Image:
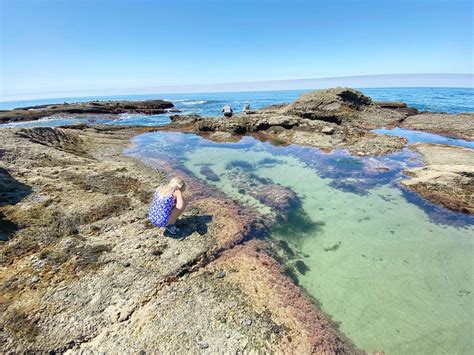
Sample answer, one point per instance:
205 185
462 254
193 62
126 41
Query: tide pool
394 271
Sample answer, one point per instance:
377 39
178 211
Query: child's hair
175 183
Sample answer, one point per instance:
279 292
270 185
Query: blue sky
82 45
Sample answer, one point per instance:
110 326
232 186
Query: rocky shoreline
86 272
343 118
148 107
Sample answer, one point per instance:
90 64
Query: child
168 204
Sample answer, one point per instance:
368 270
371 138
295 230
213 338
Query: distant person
247 109
168 204
227 111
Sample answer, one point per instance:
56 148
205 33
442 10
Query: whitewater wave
195 102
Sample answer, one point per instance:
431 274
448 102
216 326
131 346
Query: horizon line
454 80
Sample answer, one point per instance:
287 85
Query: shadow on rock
191 224
11 192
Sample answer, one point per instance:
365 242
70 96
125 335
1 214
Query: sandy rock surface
447 178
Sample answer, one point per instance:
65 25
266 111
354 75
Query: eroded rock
447 178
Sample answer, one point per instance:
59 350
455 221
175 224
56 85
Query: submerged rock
280 199
209 173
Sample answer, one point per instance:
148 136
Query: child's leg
175 213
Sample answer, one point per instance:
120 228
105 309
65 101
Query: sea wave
196 102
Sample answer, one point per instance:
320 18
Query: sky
73 46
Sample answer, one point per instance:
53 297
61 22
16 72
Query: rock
279 198
209 173
330 105
328 130
220 274
459 125
448 177
185 119
391 104
34 279
202 344
30 113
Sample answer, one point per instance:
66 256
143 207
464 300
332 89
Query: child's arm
179 199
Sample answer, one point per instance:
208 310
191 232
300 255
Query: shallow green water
394 271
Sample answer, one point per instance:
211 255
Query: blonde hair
175 183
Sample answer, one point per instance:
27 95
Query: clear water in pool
394 271
419 136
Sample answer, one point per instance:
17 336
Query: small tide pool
393 270
417 136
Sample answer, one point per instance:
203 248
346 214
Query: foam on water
394 270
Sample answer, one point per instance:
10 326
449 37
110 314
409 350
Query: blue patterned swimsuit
160 209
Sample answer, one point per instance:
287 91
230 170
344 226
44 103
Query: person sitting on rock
168 204
227 111
247 109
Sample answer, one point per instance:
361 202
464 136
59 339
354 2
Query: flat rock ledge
447 179
83 270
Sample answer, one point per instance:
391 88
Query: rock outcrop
149 107
447 178
334 118
331 105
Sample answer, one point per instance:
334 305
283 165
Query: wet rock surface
93 107
85 271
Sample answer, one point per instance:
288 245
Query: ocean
452 100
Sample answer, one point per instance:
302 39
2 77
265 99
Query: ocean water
453 100
395 271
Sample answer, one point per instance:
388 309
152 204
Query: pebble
248 322
328 130
221 274
203 345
